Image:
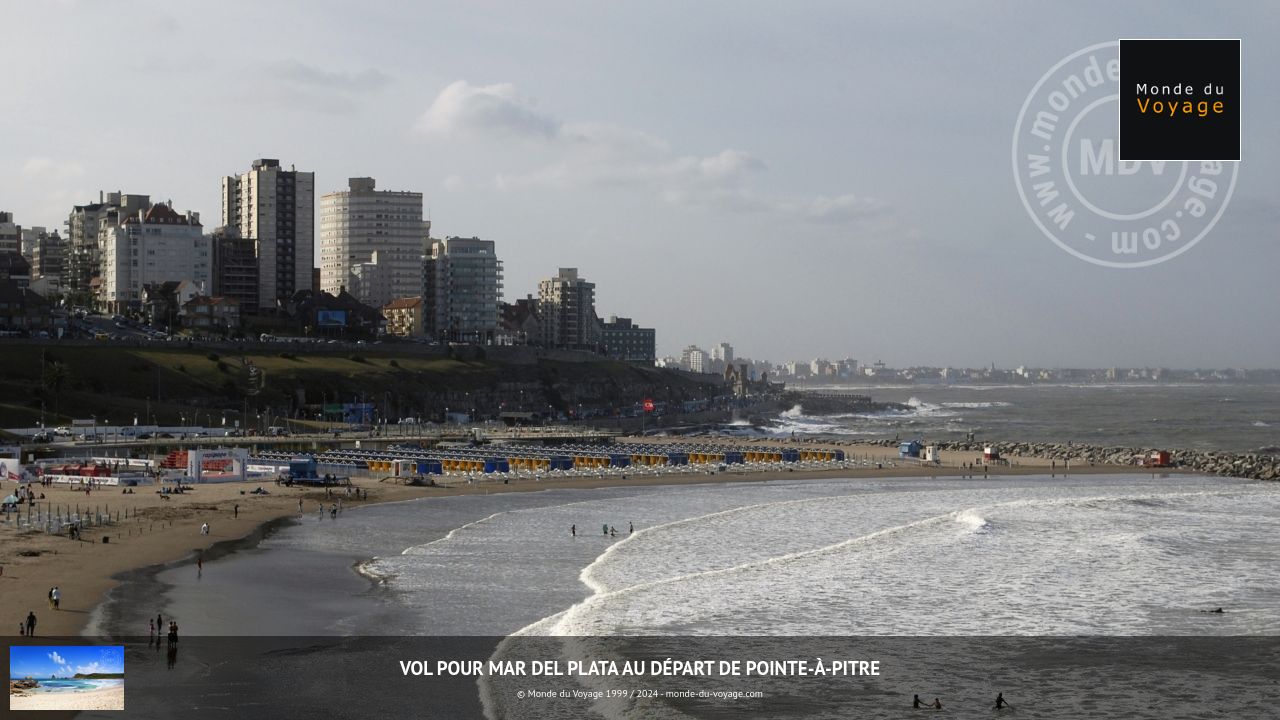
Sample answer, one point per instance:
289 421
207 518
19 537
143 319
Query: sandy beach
158 531
109 698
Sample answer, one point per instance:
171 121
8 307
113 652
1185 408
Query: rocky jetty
1256 466
834 403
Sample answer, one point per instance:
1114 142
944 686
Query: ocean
1024 555
1227 417
73 685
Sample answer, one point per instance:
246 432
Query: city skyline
775 172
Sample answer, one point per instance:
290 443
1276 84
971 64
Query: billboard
331 318
10 464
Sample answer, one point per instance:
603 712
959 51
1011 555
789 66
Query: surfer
1215 611
1000 703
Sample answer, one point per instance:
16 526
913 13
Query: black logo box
1180 64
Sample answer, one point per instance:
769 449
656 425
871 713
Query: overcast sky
799 179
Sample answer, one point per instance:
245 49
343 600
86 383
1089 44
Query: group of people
917 703
157 627
606 528
55 598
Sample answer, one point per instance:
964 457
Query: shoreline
107 698
97 569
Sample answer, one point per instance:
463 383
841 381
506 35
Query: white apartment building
361 226
154 246
722 352
276 209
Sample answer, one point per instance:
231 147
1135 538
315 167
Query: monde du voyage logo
1129 169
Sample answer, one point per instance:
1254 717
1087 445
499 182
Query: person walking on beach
204 529
236 511
299 506
50 594
31 624
56 594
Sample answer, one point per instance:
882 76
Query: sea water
1028 555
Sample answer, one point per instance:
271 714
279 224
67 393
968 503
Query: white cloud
57 659
590 155
463 108
93 667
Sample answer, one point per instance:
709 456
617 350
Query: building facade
405 317
86 225
235 269
275 208
10 233
364 226
623 340
462 288
152 247
567 305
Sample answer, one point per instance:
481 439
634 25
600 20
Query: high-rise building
45 250
462 283
275 208
567 304
362 227
722 352
85 227
622 339
235 268
152 247
10 233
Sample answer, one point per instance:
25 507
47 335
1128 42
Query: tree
54 377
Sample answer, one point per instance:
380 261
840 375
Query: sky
818 179
40 661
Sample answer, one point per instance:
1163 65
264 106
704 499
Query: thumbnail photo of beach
66 677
